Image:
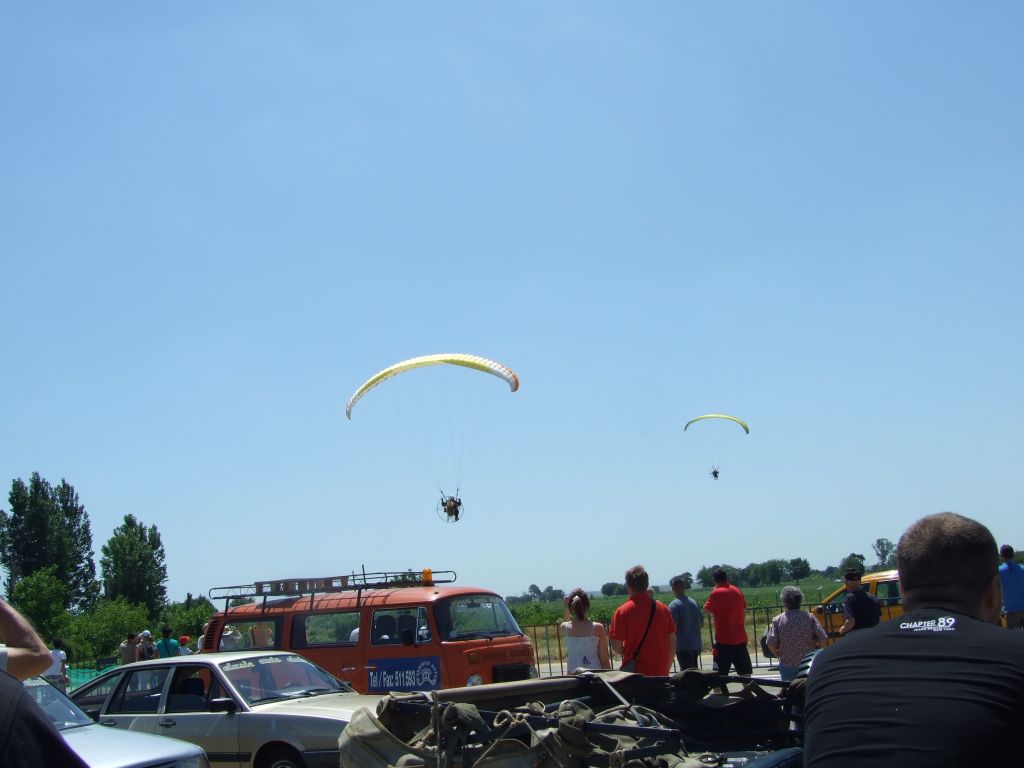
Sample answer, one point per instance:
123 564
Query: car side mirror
407 637
93 713
226 704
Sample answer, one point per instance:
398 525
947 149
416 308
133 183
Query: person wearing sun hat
147 650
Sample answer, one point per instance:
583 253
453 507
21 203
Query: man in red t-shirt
630 622
728 606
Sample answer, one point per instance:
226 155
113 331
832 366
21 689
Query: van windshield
468 617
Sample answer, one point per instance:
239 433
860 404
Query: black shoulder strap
636 651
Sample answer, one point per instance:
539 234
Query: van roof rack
357 581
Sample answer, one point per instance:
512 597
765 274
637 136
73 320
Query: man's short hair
637 579
679 580
854 574
946 557
719 576
1006 552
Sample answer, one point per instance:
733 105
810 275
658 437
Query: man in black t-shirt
27 737
860 609
941 685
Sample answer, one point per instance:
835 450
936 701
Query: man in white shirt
57 672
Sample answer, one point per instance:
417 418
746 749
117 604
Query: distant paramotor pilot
452 507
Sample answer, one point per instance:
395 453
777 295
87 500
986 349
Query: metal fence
550 651
82 671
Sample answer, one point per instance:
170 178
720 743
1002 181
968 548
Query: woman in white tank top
586 641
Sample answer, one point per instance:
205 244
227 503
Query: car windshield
474 616
260 679
63 712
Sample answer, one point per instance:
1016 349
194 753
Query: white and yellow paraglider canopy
467 361
718 416
437 427
716 435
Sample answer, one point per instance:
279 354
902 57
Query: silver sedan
104 748
252 709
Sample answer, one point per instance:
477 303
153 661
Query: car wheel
281 757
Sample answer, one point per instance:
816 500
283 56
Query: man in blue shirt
1011 577
689 620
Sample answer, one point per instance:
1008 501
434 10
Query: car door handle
167 723
109 723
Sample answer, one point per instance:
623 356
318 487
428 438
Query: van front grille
504 672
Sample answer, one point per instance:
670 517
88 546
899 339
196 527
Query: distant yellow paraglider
746 430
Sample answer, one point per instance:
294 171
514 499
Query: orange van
885 585
379 632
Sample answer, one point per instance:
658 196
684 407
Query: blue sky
218 219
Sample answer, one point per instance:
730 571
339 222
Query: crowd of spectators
944 679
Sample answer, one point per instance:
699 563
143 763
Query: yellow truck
884 585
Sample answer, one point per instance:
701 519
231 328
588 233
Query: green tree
885 551
612 588
798 568
188 617
39 597
134 565
100 630
75 558
535 592
49 526
751 575
736 575
704 576
552 595
852 562
774 571
25 532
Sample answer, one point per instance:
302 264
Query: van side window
390 623
888 592
255 635
325 629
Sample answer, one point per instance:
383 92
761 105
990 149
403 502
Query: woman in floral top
793 634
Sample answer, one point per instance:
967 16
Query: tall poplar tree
45 527
76 566
133 565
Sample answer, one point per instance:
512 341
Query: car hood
103 747
339 706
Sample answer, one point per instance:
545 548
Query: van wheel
281 757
